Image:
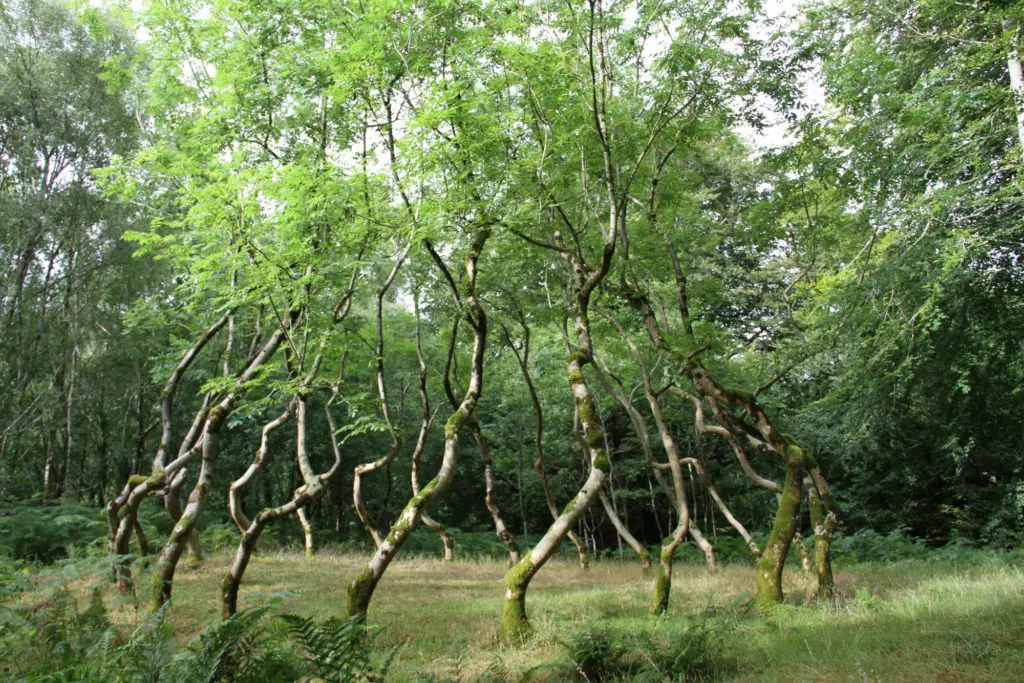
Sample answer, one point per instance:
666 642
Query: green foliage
340 650
241 649
56 640
663 650
37 532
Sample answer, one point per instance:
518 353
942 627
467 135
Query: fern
236 649
339 649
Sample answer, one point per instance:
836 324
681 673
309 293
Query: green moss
155 479
575 376
515 627
359 592
601 460
662 586
570 506
773 557
454 423
586 411
215 417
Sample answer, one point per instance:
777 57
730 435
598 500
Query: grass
912 621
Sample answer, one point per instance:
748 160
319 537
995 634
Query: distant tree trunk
705 547
1013 63
713 492
396 440
623 532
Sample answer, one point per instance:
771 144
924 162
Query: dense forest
644 280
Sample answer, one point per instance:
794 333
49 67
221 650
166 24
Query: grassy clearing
916 621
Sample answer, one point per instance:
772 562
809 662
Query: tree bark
473 425
396 440
360 590
538 464
447 542
210 444
773 557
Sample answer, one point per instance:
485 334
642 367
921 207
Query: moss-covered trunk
514 623
360 590
663 581
824 523
163 577
773 556
233 580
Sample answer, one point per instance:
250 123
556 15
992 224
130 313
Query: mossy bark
824 526
662 582
360 590
773 556
515 626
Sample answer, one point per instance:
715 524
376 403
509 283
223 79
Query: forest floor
907 621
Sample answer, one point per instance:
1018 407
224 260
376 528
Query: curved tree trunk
623 532
122 511
825 519
773 557
360 590
210 443
396 440
760 432
312 488
172 501
238 486
514 623
713 492
447 541
538 464
473 424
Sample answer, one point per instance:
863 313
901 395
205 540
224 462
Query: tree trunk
514 623
825 519
773 557
623 532
164 573
1016 70
360 590
705 547
307 532
538 464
